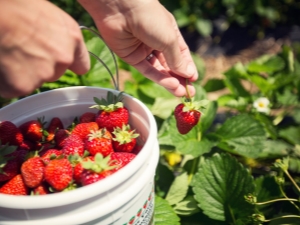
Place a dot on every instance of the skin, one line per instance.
(134, 29)
(39, 42)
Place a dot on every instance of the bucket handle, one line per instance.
(115, 81)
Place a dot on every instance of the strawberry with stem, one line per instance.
(188, 113)
(112, 112)
(124, 139)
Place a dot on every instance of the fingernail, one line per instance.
(190, 70)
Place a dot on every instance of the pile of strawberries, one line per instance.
(38, 160)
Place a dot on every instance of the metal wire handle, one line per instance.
(115, 81)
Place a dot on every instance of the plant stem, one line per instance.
(282, 217)
(186, 87)
(232, 215)
(293, 181)
(277, 200)
(286, 197)
(193, 169)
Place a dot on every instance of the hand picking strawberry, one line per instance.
(187, 114)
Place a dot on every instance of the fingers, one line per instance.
(155, 71)
(178, 58)
(81, 62)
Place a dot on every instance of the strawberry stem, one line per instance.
(187, 90)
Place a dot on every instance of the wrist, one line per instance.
(100, 9)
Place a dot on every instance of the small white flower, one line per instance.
(262, 105)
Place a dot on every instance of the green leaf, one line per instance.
(164, 214)
(199, 65)
(287, 98)
(266, 189)
(178, 189)
(209, 115)
(268, 64)
(187, 207)
(235, 87)
(203, 26)
(242, 135)
(291, 134)
(163, 107)
(296, 115)
(214, 85)
(220, 186)
(294, 164)
(268, 125)
(273, 149)
(153, 90)
(237, 71)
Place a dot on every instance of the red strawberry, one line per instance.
(73, 145)
(112, 112)
(42, 189)
(78, 168)
(84, 129)
(187, 114)
(95, 170)
(15, 186)
(32, 130)
(120, 159)
(50, 154)
(99, 141)
(32, 171)
(54, 125)
(28, 145)
(60, 137)
(10, 133)
(9, 164)
(59, 173)
(124, 139)
(87, 117)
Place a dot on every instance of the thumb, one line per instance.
(81, 63)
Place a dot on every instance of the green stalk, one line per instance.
(293, 181)
(277, 200)
(282, 217)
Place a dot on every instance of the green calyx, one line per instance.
(111, 103)
(124, 135)
(102, 133)
(100, 164)
(190, 104)
(5, 150)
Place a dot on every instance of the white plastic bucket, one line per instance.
(126, 197)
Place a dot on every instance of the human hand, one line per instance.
(135, 29)
(38, 42)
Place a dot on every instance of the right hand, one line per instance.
(38, 43)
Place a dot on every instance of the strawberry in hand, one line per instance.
(112, 112)
(187, 114)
